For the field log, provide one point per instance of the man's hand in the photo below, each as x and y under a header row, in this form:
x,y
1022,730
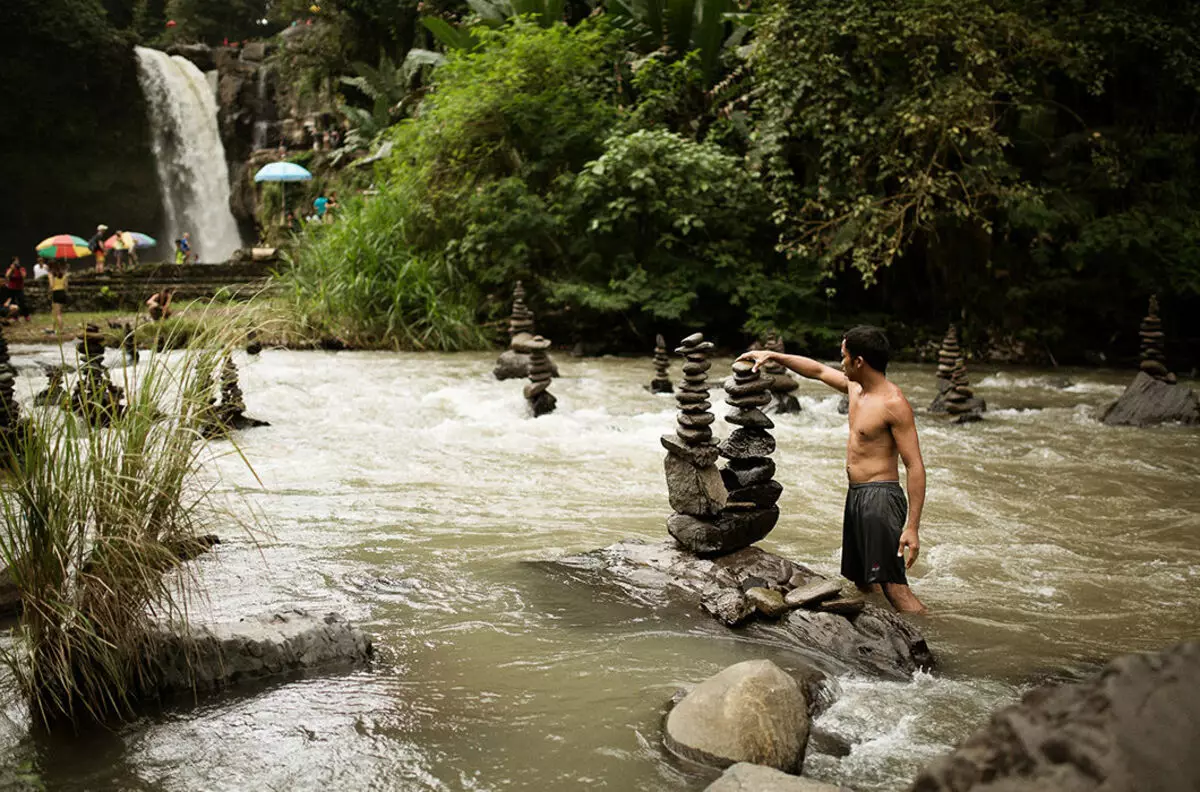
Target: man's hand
x,y
910,540
758,357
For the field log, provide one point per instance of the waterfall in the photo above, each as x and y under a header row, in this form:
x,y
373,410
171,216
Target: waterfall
x,y
192,175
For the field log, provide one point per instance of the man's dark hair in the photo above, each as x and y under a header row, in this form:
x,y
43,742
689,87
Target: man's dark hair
x,y
871,344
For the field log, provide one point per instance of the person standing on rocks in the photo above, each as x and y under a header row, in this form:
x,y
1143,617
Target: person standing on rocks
x,y
878,528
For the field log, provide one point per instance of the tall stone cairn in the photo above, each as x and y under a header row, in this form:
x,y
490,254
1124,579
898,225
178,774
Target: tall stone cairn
x,y
129,343
521,319
1153,359
694,486
960,399
662,364
514,363
54,392
229,412
95,397
10,410
948,356
782,383
541,400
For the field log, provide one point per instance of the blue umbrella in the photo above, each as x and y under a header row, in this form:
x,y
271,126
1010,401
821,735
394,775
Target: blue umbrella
x,y
282,172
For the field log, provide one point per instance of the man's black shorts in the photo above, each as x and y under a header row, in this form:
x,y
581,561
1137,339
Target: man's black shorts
x,y
871,528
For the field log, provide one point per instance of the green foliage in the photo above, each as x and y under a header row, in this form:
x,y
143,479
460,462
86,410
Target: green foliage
x,y
677,26
213,21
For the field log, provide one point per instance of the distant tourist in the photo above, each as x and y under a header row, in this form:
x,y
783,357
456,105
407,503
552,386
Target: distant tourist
x,y
58,292
183,250
40,270
293,223
130,244
321,205
14,287
118,249
159,304
96,245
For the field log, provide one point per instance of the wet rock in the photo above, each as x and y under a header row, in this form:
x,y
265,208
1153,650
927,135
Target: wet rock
x,y
769,603
217,656
876,641
700,455
746,777
750,712
1149,401
725,533
782,382
1132,728
828,743
846,606
762,495
748,443
745,472
692,490
812,593
752,418
727,605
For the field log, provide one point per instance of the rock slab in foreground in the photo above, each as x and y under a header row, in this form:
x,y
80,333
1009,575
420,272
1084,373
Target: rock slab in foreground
x,y
209,658
745,777
1133,728
874,641
1149,401
750,712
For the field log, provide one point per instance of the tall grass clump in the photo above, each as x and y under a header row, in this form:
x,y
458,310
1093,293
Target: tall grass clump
x,y
93,517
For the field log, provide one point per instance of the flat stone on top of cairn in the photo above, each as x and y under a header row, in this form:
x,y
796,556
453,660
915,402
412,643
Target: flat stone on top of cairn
x,y
513,363
541,401
694,486
782,383
948,356
662,377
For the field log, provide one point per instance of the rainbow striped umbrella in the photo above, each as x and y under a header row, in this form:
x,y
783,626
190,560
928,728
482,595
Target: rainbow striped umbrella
x,y
63,246
139,240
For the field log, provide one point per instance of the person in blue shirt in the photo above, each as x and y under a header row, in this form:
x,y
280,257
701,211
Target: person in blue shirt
x,y
321,204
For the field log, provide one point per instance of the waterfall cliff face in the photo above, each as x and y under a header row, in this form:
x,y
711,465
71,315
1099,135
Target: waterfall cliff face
x,y
192,174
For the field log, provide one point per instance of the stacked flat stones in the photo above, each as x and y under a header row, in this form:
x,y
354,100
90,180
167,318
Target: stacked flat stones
x,y
782,383
514,362
662,377
960,399
10,411
54,392
751,512
541,400
129,344
253,345
694,486
95,397
230,412
948,356
1153,360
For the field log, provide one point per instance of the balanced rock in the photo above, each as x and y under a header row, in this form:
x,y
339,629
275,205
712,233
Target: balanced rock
x,y
95,397
541,401
960,400
948,356
694,485
662,378
230,411
54,392
513,363
1154,396
782,383
750,712
1153,358
728,532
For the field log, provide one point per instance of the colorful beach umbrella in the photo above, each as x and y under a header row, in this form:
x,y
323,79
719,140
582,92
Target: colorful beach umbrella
x,y
63,246
140,240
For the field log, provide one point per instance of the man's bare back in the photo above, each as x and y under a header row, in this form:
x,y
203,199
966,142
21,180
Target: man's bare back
x,y
882,432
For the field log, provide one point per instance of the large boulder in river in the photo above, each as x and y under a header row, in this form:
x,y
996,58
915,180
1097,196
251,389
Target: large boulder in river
x,y
1133,728
866,639
750,712
1149,401
745,777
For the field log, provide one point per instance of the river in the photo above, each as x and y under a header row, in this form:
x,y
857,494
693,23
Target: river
x,y
409,491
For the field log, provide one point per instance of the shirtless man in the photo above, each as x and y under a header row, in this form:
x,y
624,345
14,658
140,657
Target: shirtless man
x,y
877,528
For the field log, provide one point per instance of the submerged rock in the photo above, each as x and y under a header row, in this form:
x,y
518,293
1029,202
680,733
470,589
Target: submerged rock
x,y
746,777
750,712
874,641
1133,728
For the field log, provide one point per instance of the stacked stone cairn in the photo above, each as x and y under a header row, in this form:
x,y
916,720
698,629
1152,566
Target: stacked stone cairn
x,y
694,486
960,399
541,400
751,512
514,363
229,413
782,383
662,378
253,345
10,411
95,397
1153,360
54,393
129,344
948,356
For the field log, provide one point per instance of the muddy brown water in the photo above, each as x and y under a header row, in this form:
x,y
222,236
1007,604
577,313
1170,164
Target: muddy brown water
x,y
407,492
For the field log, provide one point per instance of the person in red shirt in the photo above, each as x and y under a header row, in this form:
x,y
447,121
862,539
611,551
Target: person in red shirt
x,y
14,287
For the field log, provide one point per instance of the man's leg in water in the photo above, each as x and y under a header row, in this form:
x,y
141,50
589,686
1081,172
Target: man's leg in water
x,y
867,588
902,598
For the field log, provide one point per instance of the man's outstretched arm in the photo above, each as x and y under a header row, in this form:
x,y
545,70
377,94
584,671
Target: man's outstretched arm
x,y
805,367
904,430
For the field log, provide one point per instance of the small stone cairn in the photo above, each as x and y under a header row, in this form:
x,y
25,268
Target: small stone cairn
x,y
229,413
662,378
782,383
694,486
10,410
541,400
1153,360
960,399
253,345
95,397
129,344
1154,396
514,363
54,393
948,356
